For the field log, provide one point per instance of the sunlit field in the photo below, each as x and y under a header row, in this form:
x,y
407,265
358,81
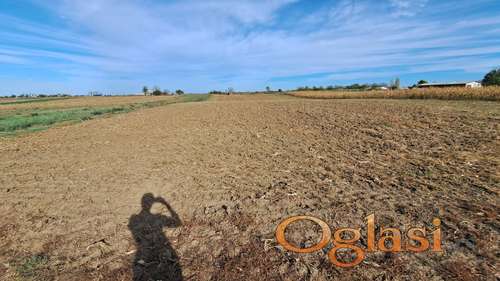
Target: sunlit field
x,y
224,171
484,93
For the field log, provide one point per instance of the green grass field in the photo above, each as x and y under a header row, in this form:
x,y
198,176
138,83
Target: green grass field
x,y
13,122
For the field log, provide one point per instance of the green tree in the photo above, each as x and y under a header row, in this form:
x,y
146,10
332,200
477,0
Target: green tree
x,y
492,78
422,82
145,90
157,91
179,92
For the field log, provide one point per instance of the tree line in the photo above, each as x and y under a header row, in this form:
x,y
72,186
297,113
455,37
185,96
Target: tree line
x,y
355,86
156,91
492,78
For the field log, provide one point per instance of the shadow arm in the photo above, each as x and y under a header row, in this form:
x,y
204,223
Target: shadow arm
x,y
174,220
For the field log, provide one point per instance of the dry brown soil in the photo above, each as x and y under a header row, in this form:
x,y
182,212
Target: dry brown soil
x,y
7,100
231,168
83,102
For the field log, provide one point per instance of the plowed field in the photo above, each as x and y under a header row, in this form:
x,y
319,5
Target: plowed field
x,y
194,191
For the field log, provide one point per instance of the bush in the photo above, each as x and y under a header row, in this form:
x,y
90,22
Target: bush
x,y
157,92
215,92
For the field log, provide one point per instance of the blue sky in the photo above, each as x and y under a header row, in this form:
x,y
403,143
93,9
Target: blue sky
x,y
117,46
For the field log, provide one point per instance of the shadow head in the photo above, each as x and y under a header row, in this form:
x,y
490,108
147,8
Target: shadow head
x,y
147,201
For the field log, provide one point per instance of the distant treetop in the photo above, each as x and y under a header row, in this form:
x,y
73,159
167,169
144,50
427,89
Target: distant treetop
x,y
492,78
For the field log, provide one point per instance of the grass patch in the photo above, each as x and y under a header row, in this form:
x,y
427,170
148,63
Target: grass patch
x,y
195,98
44,118
29,267
177,99
35,120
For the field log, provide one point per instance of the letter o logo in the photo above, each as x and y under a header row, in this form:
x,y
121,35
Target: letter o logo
x,y
360,255
325,237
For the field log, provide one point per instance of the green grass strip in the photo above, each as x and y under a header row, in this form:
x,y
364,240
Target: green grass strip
x,y
35,120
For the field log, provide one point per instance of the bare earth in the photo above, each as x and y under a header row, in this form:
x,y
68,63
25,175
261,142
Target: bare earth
x,y
231,169
84,101
7,100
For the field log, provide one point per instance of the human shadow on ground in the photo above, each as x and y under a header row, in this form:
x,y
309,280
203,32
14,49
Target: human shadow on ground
x,y
155,258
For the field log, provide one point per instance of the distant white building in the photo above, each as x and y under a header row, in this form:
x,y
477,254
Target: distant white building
x,y
472,84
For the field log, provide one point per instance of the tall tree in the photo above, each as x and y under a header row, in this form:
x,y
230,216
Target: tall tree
x,y
156,91
492,78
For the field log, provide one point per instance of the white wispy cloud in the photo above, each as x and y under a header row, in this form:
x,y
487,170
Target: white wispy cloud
x,y
201,45
408,7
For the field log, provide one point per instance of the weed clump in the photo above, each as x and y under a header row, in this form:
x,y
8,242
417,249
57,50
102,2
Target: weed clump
x,y
29,267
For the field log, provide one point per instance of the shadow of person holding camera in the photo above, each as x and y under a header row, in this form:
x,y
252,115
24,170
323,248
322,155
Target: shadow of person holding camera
x,y
155,258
